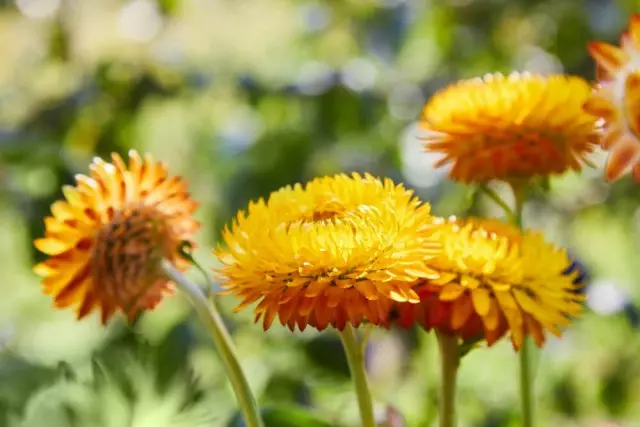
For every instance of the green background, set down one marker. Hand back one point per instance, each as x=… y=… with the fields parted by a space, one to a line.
x=242 y=97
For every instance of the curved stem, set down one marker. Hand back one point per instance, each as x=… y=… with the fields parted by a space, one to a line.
x=355 y=357
x=449 y=363
x=495 y=197
x=222 y=340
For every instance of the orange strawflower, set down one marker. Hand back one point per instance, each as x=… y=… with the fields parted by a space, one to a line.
x=616 y=100
x=338 y=250
x=510 y=127
x=493 y=280
x=107 y=239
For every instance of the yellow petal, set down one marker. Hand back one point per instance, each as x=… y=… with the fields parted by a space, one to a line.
x=481 y=300
x=469 y=282
x=451 y=291
x=52 y=246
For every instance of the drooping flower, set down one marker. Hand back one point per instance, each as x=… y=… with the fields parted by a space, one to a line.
x=338 y=250
x=493 y=280
x=510 y=127
x=107 y=239
x=616 y=100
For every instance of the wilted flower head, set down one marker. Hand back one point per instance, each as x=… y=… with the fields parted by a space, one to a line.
x=617 y=100
x=106 y=240
x=493 y=280
x=338 y=250
x=510 y=127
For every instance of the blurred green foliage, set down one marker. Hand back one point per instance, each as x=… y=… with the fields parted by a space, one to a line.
x=242 y=98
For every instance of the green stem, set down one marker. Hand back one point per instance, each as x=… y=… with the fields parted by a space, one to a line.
x=222 y=340
x=355 y=357
x=449 y=363
x=526 y=377
x=495 y=197
x=526 y=384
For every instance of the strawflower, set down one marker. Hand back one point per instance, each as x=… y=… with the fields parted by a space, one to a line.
x=510 y=127
x=493 y=280
x=336 y=251
x=616 y=100
x=107 y=239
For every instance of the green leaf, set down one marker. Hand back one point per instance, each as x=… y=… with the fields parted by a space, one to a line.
x=19 y=378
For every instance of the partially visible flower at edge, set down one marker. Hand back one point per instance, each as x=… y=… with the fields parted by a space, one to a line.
x=510 y=127
x=107 y=239
x=338 y=250
x=616 y=99
x=495 y=279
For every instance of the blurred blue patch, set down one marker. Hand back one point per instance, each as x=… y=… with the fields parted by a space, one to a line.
x=581 y=274
x=632 y=313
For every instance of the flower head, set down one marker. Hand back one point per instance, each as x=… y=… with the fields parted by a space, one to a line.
x=338 y=250
x=512 y=127
x=106 y=240
x=495 y=279
x=616 y=100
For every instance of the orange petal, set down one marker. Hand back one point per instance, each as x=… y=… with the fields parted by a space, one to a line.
x=460 y=311
x=367 y=289
x=334 y=296
x=535 y=330
x=610 y=58
x=632 y=101
x=287 y=311
x=269 y=316
x=624 y=154
x=88 y=305
x=492 y=336
x=611 y=137
x=634 y=30
x=306 y=306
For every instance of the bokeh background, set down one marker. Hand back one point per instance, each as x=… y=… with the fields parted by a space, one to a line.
x=243 y=97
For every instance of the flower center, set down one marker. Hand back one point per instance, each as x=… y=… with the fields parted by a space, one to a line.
x=324 y=215
x=128 y=252
x=325 y=210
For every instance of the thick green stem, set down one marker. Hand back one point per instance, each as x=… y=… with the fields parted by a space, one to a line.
x=355 y=357
x=526 y=377
x=222 y=340
x=449 y=363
